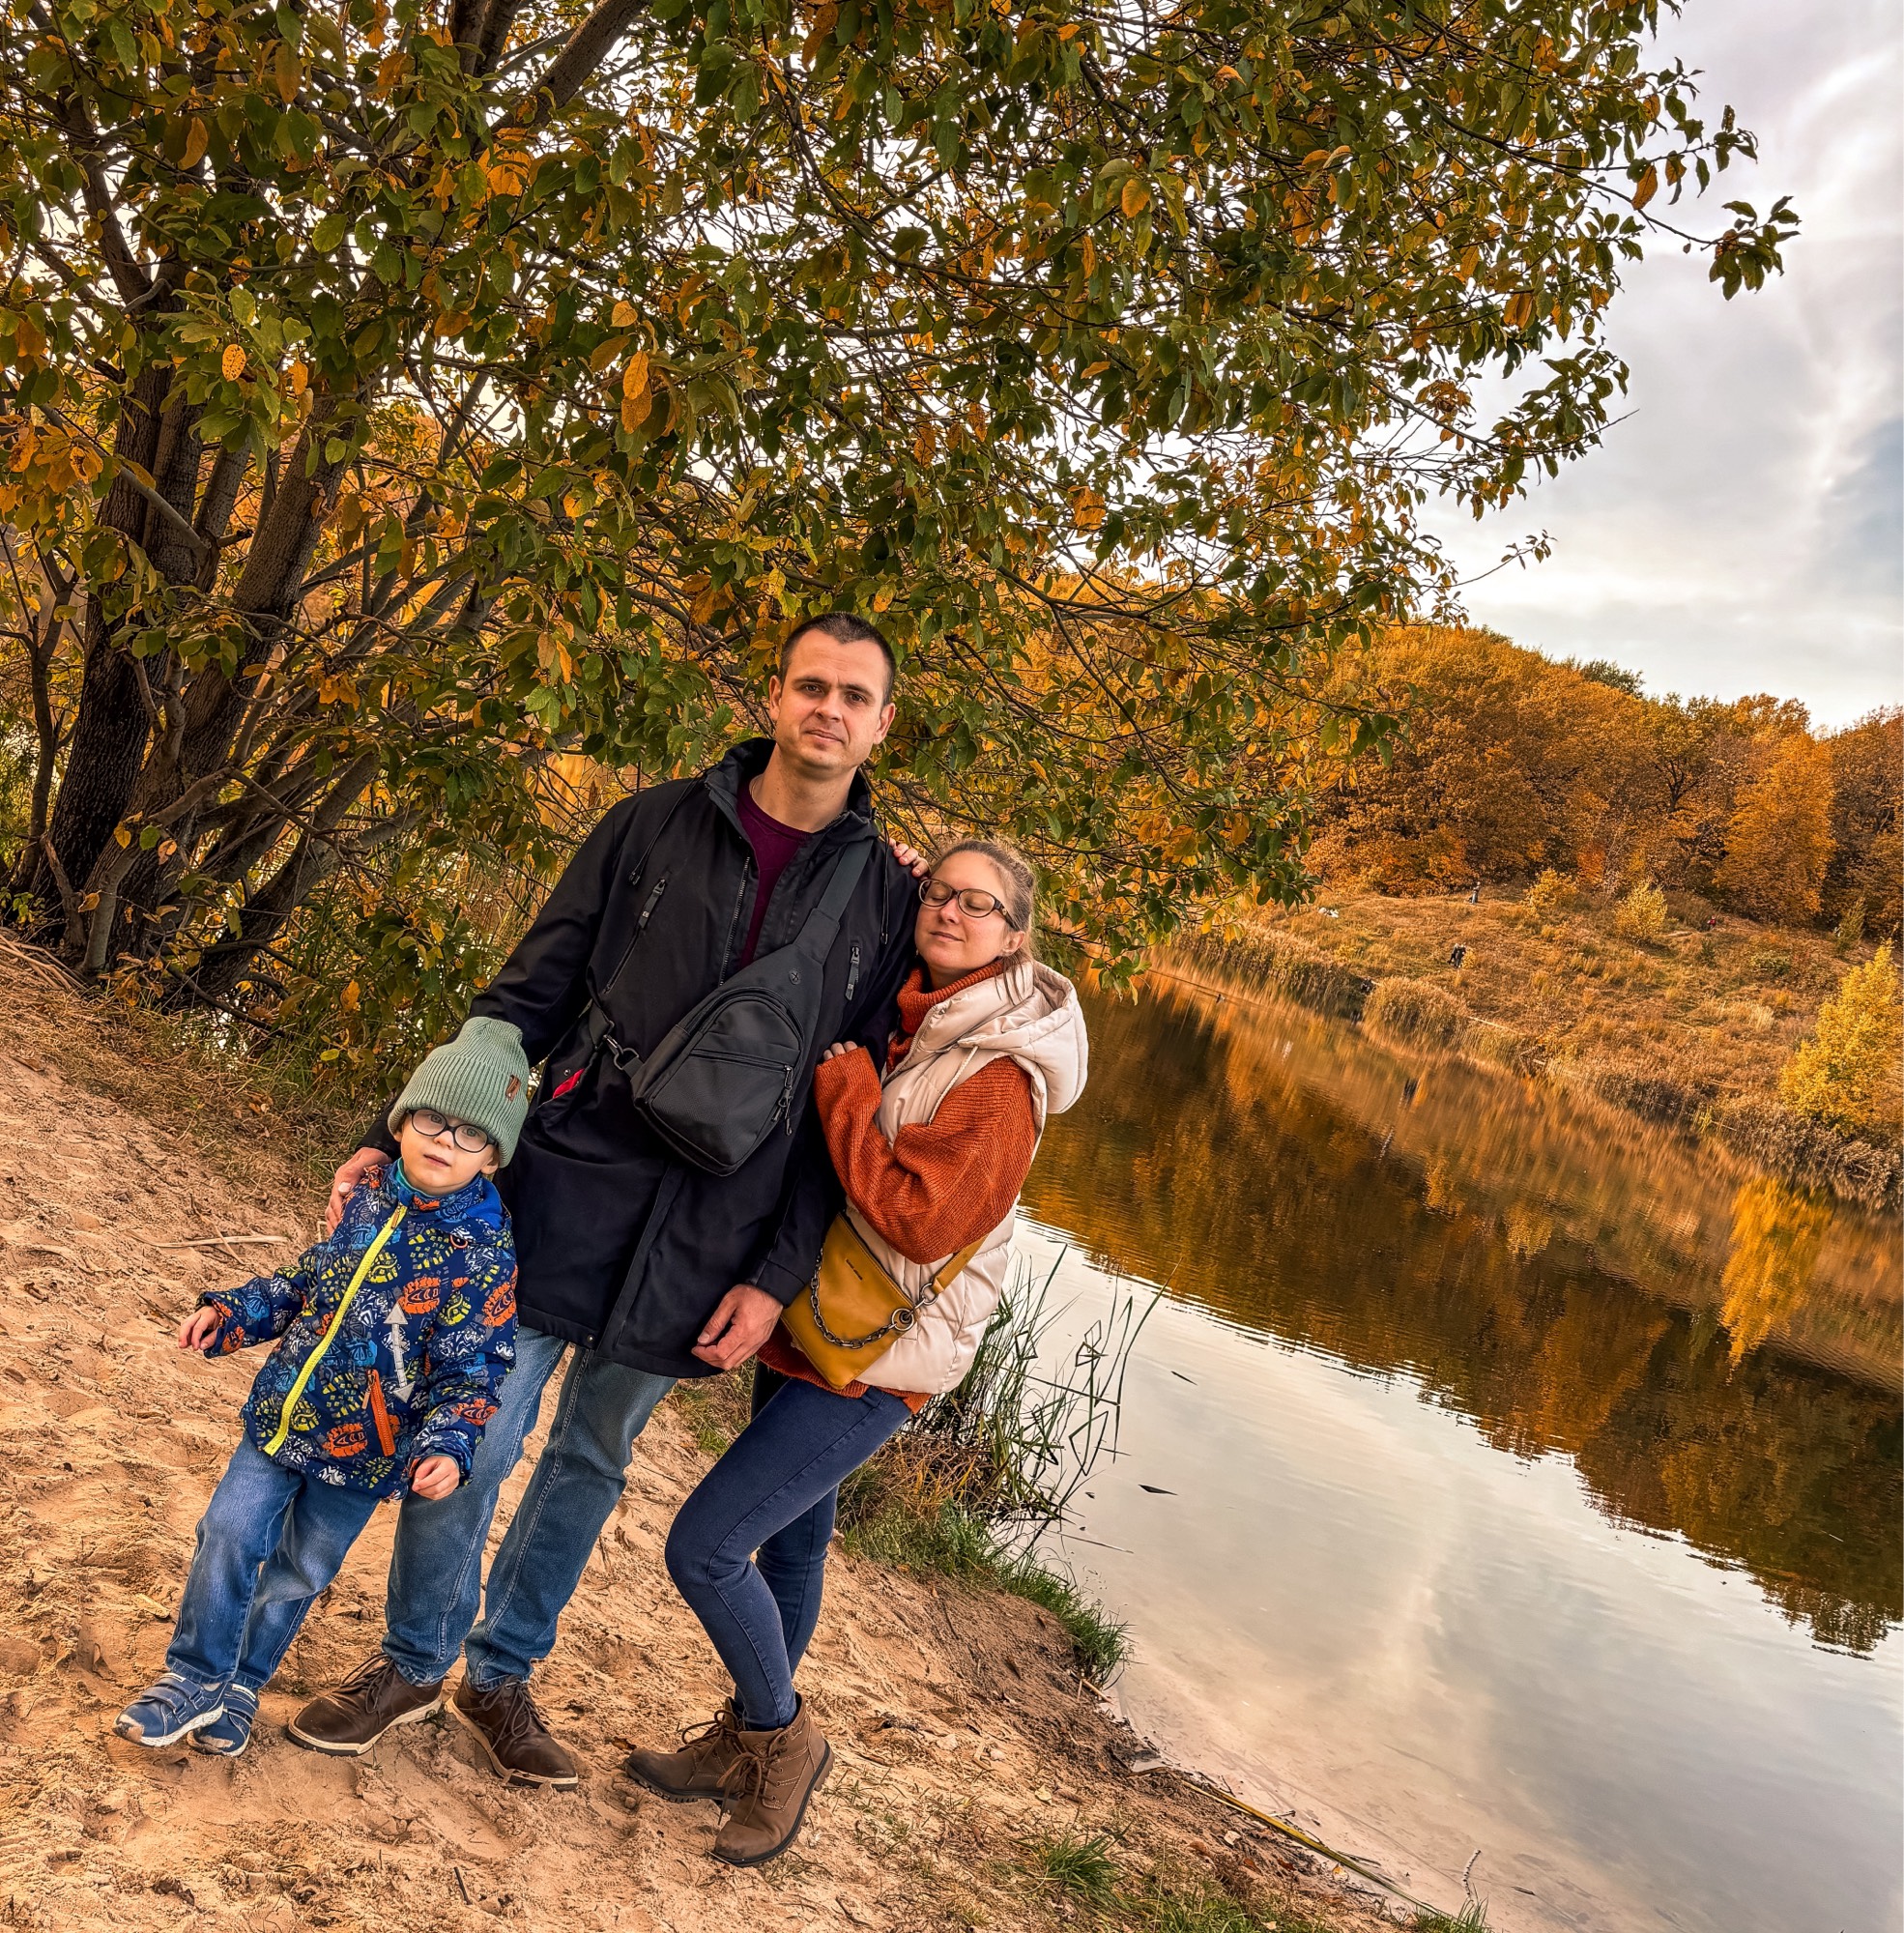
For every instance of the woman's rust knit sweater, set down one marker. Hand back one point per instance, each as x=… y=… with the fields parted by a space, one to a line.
x=942 y=1183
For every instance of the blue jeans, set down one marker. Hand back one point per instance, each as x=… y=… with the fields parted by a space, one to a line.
x=270 y=1541
x=436 y=1573
x=773 y=1493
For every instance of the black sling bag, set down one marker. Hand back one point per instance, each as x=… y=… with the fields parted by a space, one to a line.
x=722 y=1078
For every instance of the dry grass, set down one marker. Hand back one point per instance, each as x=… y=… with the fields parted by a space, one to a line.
x=1690 y=1029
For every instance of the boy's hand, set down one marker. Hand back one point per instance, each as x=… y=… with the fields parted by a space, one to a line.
x=200 y=1329
x=434 y=1478
x=838 y=1048
x=360 y=1167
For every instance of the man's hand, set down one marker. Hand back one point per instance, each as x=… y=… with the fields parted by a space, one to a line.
x=360 y=1167
x=737 y=1328
x=200 y=1329
x=434 y=1478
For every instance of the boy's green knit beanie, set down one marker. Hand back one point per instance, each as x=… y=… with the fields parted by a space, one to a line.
x=481 y=1076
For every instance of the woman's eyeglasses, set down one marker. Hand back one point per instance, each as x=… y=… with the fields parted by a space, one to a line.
x=432 y=1126
x=972 y=903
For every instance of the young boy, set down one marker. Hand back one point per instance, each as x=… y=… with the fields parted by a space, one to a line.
x=397 y=1332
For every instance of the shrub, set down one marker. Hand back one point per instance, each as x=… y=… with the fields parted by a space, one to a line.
x=1850 y=928
x=1642 y=915
x=1416 y=1013
x=1551 y=895
x=1847 y=1074
x=1769 y=963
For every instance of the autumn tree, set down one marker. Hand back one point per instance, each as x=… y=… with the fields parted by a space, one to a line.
x=1508 y=763
x=396 y=394
x=1867 y=797
x=1850 y=1073
x=1779 y=840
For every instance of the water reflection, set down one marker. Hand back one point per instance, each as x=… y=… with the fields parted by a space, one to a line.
x=1716 y=1354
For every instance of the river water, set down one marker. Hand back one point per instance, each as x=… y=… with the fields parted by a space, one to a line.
x=1495 y=1475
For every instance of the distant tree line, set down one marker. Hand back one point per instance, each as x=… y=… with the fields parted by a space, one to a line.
x=1511 y=762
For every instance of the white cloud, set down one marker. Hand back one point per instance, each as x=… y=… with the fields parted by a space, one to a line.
x=1743 y=528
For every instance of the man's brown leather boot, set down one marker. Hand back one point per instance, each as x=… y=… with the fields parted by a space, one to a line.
x=773 y=1776
x=349 y=1720
x=512 y=1735
x=697 y=1770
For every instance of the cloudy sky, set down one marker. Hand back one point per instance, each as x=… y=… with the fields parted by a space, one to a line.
x=1743 y=528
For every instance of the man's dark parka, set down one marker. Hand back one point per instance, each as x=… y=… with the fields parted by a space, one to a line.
x=621 y=1245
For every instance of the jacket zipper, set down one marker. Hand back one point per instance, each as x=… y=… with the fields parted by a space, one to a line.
x=734 y=918
x=381 y=1415
x=653 y=900
x=323 y=1349
x=852 y=971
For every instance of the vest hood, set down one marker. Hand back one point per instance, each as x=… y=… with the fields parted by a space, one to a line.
x=1030 y=1012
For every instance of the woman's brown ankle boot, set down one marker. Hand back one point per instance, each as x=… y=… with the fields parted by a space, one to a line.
x=767 y=1788
x=697 y=1769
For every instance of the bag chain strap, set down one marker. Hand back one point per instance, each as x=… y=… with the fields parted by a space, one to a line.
x=899 y=1321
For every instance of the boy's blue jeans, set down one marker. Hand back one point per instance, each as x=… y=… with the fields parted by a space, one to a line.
x=748 y=1550
x=270 y=1541
x=436 y=1573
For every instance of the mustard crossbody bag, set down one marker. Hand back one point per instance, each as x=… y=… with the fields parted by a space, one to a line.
x=852 y=1311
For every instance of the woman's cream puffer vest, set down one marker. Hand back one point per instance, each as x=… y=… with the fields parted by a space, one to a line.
x=1028 y=1014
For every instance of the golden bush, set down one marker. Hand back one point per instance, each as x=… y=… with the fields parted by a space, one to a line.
x=1642 y=914
x=1848 y=1073
x=1551 y=895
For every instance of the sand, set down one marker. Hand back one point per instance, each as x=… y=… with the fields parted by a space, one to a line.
x=963 y=1736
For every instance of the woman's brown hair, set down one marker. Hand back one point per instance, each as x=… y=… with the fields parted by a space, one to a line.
x=1021 y=884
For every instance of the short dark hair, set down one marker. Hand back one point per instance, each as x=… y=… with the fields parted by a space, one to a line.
x=844 y=628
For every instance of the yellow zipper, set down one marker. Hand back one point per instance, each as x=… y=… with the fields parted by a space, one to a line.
x=317 y=1355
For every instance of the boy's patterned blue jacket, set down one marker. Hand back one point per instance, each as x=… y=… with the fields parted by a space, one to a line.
x=382 y=1365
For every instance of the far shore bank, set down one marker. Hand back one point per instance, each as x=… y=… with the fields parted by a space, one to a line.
x=1687 y=1031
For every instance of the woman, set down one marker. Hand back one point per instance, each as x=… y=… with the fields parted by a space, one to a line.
x=933 y=1151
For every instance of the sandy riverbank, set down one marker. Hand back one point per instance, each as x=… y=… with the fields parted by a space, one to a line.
x=965 y=1739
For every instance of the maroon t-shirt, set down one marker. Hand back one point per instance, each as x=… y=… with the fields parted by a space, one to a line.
x=775 y=848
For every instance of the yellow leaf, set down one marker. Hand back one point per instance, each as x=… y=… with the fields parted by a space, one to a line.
x=299 y=378
x=231 y=365
x=196 y=142
x=1135 y=198
x=635 y=410
x=124 y=834
x=1649 y=187
x=703 y=606
x=350 y=997
x=634 y=378
x=623 y=316
x=288 y=72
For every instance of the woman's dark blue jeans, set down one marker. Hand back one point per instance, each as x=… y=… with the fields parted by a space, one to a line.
x=774 y=1493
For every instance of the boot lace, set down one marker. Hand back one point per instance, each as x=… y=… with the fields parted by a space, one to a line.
x=518 y=1721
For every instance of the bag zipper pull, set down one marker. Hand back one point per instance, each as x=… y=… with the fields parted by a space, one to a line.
x=786 y=1100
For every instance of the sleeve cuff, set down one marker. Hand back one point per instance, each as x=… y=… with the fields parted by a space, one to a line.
x=779 y=1281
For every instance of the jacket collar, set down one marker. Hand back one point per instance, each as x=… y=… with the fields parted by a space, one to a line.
x=748 y=759
x=477 y=1201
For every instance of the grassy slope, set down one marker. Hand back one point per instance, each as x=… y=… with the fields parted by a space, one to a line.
x=1688 y=1031
x=1717 y=1009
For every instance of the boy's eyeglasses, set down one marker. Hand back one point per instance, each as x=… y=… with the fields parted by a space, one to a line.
x=972 y=903
x=432 y=1126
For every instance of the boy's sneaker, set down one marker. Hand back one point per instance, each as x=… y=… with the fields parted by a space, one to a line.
x=349 y=1720
x=170 y=1711
x=230 y=1732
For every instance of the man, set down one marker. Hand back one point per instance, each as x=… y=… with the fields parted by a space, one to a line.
x=644 y=1267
